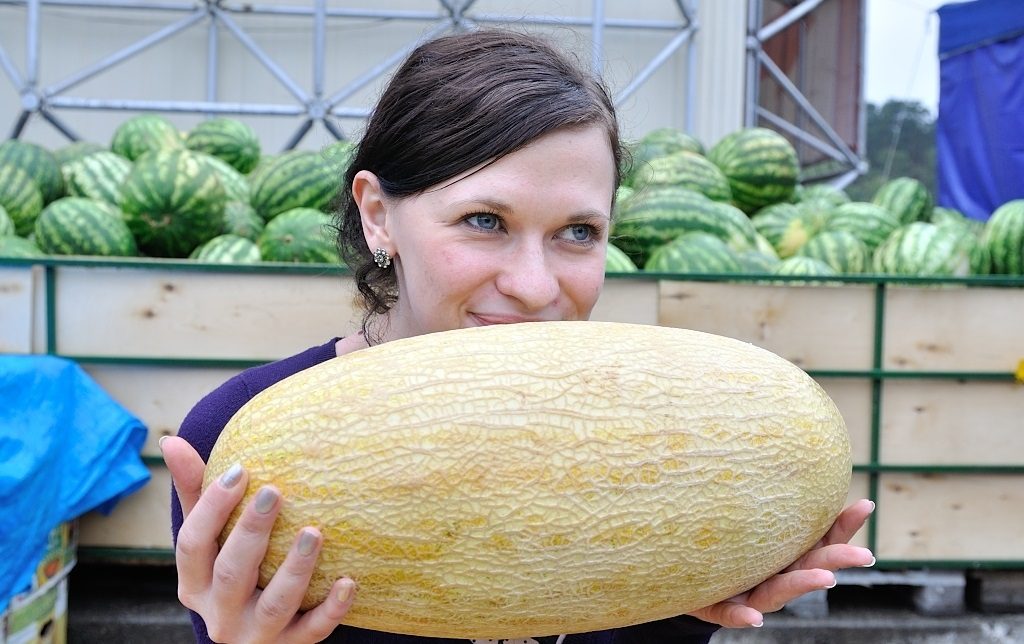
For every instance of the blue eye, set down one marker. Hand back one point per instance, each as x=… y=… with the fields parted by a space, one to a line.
x=581 y=232
x=484 y=221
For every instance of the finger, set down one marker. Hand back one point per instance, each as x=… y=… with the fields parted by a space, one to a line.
x=198 y=540
x=731 y=613
x=236 y=570
x=849 y=522
x=318 y=623
x=186 y=468
x=783 y=588
x=835 y=557
x=280 y=600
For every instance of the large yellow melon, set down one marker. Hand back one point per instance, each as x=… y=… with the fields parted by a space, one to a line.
x=544 y=478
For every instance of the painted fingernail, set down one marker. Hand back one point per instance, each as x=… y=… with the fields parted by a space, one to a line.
x=265 y=500
x=231 y=477
x=345 y=590
x=307 y=541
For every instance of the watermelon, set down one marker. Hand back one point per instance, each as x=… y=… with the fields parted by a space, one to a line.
x=822 y=192
x=841 y=250
x=906 y=198
x=76 y=150
x=969 y=239
x=6 y=223
x=657 y=143
x=755 y=261
x=299 y=235
x=173 y=202
x=20 y=197
x=82 y=226
x=694 y=252
x=145 y=133
x=39 y=163
x=1004 y=238
x=617 y=261
x=236 y=186
x=870 y=223
x=922 y=249
x=657 y=215
x=339 y=155
x=228 y=249
x=802 y=265
x=786 y=226
x=99 y=176
x=228 y=139
x=241 y=219
x=296 y=179
x=19 y=247
x=761 y=166
x=685 y=169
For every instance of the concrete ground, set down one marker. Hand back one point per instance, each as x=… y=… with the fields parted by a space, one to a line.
x=137 y=604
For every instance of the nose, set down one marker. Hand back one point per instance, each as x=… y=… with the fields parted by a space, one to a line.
x=528 y=277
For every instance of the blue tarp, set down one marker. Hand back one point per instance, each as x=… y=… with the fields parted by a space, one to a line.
x=980 y=125
x=66 y=448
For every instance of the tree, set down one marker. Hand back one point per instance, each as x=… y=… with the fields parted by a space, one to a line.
x=900 y=143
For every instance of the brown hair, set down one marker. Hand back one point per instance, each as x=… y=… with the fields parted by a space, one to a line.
x=457 y=102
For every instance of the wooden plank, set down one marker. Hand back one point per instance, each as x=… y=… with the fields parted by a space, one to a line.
x=627 y=300
x=954 y=328
x=952 y=516
x=142 y=520
x=16 y=309
x=183 y=314
x=158 y=396
x=779 y=318
x=853 y=398
x=952 y=422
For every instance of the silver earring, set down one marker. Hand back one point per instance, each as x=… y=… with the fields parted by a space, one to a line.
x=381 y=257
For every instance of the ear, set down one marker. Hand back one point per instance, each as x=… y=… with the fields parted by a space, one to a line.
x=373 y=210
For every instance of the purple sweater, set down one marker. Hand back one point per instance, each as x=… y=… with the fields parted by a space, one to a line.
x=207 y=419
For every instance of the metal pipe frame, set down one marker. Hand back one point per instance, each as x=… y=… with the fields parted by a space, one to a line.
x=316 y=104
x=835 y=148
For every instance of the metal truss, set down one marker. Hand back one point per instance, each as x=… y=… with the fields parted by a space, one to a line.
x=848 y=165
x=311 y=104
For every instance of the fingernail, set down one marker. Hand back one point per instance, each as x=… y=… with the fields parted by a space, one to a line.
x=231 y=477
x=265 y=500
x=833 y=583
x=307 y=541
x=868 y=565
x=872 y=505
x=160 y=443
x=758 y=624
x=345 y=590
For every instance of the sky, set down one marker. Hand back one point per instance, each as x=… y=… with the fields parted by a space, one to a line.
x=901 y=51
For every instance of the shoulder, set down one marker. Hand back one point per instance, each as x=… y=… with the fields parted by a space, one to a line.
x=204 y=423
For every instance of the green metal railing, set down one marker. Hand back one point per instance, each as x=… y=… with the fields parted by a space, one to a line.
x=877 y=374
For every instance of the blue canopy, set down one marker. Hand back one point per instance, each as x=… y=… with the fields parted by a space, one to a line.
x=66 y=448
x=980 y=126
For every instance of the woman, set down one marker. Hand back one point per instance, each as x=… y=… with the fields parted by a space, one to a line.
x=483 y=185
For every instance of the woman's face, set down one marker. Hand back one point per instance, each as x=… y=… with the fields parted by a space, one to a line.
x=522 y=239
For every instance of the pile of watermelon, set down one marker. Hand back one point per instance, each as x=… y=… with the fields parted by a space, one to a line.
x=208 y=194
x=739 y=207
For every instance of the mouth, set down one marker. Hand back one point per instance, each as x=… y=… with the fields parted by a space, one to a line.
x=482 y=319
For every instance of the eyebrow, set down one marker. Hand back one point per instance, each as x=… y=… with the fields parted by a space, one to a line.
x=503 y=208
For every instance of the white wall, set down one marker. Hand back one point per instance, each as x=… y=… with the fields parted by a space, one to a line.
x=72 y=39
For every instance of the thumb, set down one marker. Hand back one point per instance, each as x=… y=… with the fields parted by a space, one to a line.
x=186 y=468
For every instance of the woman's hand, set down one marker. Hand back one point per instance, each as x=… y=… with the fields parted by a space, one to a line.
x=220 y=583
x=813 y=571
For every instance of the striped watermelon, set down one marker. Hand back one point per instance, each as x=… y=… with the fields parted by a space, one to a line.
x=241 y=219
x=841 y=250
x=39 y=163
x=870 y=223
x=1004 y=238
x=339 y=155
x=616 y=261
x=81 y=226
x=656 y=216
x=228 y=139
x=236 y=186
x=296 y=179
x=145 y=133
x=19 y=247
x=694 y=252
x=74 y=151
x=6 y=223
x=685 y=170
x=228 y=249
x=173 y=202
x=20 y=197
x=761 y=166
x=969 y=239
x=755 y=261
x=802 y=265
x=922 y=249
x=906 y=198
x=786 y=226
x=657 y=143
x=299 y=235
x=822 y=192
x=99 y=176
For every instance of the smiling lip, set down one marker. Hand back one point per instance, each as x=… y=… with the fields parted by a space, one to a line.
x=502 y=319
